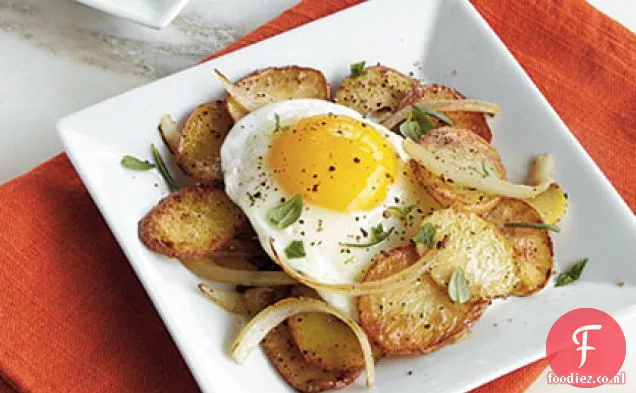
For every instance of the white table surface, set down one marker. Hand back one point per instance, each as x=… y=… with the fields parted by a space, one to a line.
x=57 y=56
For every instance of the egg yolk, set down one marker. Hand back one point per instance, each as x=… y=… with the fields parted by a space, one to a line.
x=335 y=162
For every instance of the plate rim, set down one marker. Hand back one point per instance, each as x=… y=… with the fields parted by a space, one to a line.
x=66 y=135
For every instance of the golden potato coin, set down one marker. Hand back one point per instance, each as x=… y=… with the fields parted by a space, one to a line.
x=276 y=84
x=461 y=148
x=417 y=319
x=532 y=248
x=196 y=221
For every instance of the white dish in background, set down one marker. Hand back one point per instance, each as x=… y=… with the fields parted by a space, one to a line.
x=153 y=13
x=444 y=41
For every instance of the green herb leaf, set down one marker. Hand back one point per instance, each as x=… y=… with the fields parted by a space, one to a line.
x=161 y=166
x=421 y=117
x=136 y=164
x=286 y=213
x=357 y=69
x=426 y=235
x=533 y=225
x=458 y=289
x=486 y=168
x=433 y=113
x=377 y=235
x=278 y=127
x=417 y=123
x=573 y=274
x=411 y=129
x=349 y=260
x=295 y=249
x=400 y=211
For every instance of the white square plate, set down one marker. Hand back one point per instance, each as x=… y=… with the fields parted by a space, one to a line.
x=152 y=13
x=443 y=41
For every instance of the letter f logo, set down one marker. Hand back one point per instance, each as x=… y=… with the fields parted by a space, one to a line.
x=584 y=347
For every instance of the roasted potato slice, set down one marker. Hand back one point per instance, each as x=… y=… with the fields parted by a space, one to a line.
x=467 y=241
x=375 y=93
x=473 y=121
x=414 y=320
x=196 y=221
x=324 y=340
x=551 y=204
x=463 y=149
x=300 y=374
x=237 y=254
x=425 y=201
x=327 y=342
x=243 y=254
x=199 y=149
x=256 y=299
x=276 y=84
x=246 y=245
x=532 y=248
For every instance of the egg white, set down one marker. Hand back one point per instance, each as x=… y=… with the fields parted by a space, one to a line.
x=251 y=185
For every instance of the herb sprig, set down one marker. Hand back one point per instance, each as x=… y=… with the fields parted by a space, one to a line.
x=287 y=212
x=349 y=260
x=426 y=235
x=433 y=113
x=410 y=129
x=163 y=170
x=400 y=211
x=533 y=225
x=278 y=127
x=485 y=168
x=136 y=164
x=571 y=275
x=378 y=235
x=417 y=123
x=295 y=249
x=357 y=69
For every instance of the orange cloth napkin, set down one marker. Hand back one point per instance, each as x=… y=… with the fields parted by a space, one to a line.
x=73 y=316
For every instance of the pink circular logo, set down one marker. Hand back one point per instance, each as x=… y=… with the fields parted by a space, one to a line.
x=586 y=348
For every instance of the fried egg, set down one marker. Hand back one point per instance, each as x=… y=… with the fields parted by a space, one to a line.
x=352 y=174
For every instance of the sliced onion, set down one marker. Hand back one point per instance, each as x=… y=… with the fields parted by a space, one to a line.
x=169 y=133
x=208 y=269
x=462 y=105
x=230 y=301
x=488 y=185
x=258 y=327
x=244 y=100
x=393 y=282
x=543 y=169
x=459 y=105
